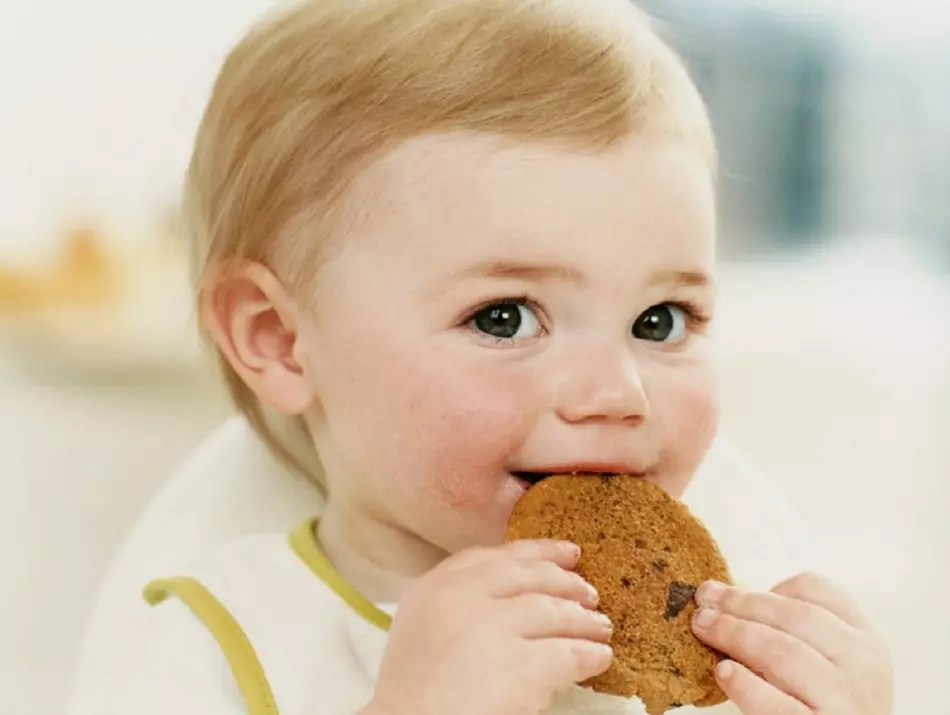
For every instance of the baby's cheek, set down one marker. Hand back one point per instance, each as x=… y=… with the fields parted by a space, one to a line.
x=473 y=428
x=700 y=410
x=692 y=423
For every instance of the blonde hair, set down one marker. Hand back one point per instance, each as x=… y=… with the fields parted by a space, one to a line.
x=317 y=91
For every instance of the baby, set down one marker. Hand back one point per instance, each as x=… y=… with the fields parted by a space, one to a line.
x=440 y=246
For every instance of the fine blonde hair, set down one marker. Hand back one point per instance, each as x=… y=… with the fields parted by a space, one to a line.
x=320 y=89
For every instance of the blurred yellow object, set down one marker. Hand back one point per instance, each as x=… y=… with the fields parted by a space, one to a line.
x=101 y=309
x=84 y=277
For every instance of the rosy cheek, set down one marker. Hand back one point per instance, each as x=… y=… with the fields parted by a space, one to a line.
x=700 y=402
x=473 y=423
x=692 y=421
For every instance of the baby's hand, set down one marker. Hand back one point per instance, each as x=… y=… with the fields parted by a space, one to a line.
x=493 y=632
x=805 y=648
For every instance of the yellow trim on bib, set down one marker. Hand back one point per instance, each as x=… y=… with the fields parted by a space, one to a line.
x=303 y=540
x=234 y=643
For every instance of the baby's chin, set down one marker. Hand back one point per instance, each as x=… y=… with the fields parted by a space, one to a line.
x=494 y=522
x=488 y=528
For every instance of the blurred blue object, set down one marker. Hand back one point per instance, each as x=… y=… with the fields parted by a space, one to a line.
x=825 y=130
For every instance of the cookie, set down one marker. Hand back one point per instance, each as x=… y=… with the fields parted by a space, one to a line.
x=646 y=555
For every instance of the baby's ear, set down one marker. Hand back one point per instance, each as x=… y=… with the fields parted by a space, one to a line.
x=253 y=321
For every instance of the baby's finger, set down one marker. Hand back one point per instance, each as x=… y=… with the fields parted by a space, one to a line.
x=535 y=616
x=563 y=553
x=820 y=591
x=820 y=628
x=786 y=662
x=541 y=577
x=753 y=695
x=561 y=661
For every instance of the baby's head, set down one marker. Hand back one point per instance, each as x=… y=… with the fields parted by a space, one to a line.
x=441 y=243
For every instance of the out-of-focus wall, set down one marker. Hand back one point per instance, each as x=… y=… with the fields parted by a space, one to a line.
x=81 y=457
x=100 y=101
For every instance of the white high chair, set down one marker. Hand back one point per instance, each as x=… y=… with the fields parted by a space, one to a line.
x=232 y=486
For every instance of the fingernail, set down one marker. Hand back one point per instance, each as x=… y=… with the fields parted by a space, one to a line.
x=725 y=669
x=592 y=593
x=704 y=617
x=710 y=593
x=605 y=621
x=571 y=548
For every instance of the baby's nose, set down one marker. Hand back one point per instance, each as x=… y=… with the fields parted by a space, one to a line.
x=604 y=386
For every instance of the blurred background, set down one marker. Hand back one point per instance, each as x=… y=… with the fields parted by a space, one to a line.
x=834 y=122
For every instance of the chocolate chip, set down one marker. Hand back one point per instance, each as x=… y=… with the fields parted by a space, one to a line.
x=668 y=549
x=601 y=536
x=679 y=596
x=660 y=565
x=625 y=582
x=676 y=672
x=676 y=704
x=640 y=543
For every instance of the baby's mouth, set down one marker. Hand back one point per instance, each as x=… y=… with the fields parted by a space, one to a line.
x=532 y=478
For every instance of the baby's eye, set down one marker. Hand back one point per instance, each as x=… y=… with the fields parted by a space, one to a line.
x=664 y=323
x=507 y=320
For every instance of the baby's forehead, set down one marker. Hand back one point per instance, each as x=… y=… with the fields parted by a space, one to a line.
x=449 y=204
x=432 y=159
x=455 y=172
x=468 y=167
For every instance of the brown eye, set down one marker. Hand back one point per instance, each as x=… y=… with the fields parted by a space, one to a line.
x=664 y=323
x=507 y=320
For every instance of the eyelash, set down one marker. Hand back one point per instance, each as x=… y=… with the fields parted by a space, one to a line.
x=697 y=318
x=522 y=299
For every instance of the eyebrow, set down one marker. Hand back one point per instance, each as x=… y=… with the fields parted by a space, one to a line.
x=540 y=272
x=525 y=271
x=686 y=279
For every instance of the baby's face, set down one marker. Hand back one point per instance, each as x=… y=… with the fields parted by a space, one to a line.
x=500 y=308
